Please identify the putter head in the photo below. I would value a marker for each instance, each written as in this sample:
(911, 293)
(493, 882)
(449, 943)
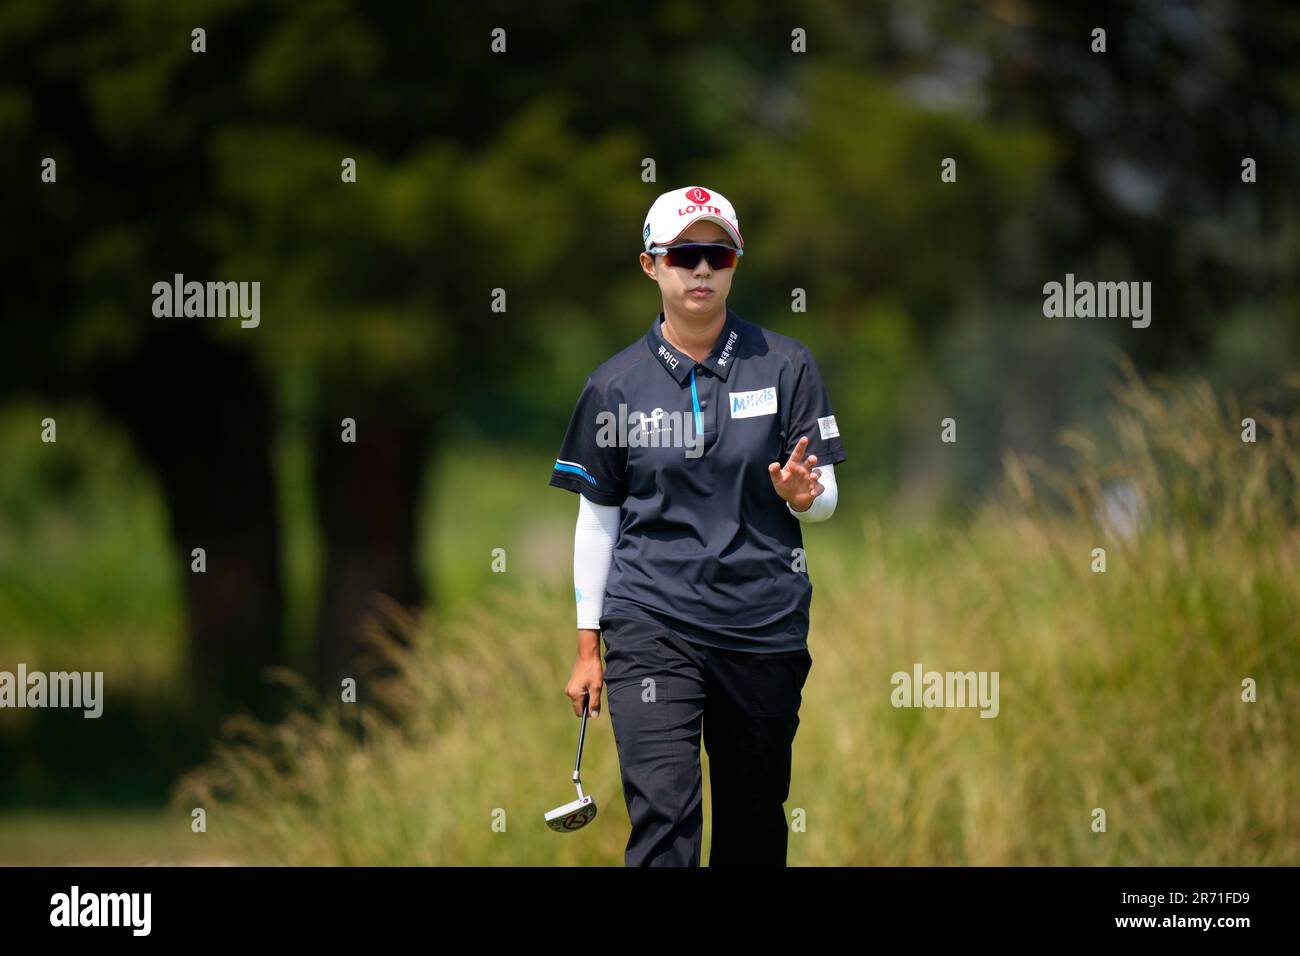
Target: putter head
(572, 816)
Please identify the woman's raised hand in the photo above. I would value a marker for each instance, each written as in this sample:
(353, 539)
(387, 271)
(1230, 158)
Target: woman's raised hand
(797, 482)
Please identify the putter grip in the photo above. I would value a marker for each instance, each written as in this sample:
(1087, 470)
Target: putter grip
(582, 733)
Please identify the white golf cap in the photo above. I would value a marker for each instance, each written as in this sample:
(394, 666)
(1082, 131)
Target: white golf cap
(674, 211)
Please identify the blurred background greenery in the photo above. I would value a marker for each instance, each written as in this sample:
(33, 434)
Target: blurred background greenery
(523, 171)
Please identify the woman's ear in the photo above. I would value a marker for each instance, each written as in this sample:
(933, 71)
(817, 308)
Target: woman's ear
(648, 267)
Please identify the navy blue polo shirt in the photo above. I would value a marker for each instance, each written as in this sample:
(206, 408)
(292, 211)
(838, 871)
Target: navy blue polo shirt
(706, 546)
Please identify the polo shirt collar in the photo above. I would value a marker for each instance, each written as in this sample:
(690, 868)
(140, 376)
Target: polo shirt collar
(679, 365)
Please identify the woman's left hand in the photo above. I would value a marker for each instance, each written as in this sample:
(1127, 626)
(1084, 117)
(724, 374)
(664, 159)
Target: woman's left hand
(797, 482)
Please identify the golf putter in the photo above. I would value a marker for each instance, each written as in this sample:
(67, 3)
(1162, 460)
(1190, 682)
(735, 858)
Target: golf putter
(577, 814)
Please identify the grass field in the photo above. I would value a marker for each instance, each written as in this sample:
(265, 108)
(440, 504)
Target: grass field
(1119, 691)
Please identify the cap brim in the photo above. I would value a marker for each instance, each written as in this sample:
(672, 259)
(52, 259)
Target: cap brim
(731, 230)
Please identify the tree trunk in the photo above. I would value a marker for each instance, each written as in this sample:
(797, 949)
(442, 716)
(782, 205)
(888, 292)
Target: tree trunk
(200, 415)
(366, 496)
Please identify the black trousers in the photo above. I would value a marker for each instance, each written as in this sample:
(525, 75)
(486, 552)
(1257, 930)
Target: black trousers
(661, 690)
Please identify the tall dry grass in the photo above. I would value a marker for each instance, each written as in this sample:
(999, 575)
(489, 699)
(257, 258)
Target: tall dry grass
(1119, 690)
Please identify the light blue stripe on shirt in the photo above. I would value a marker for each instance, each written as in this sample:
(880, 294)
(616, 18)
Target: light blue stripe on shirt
(575, 469)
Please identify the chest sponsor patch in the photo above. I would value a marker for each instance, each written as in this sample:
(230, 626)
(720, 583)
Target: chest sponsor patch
(828, 427)
(761, 401)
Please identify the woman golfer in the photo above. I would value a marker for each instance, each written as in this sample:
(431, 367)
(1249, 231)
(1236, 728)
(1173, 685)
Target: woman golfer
(697, 452)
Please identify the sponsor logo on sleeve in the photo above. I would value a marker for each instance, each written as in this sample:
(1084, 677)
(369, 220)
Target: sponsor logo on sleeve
(828, 427)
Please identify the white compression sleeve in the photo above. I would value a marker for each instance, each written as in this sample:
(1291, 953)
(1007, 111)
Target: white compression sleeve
(593, 552)
(824, 504)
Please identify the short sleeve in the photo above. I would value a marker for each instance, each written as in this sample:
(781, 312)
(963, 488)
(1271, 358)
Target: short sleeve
(811, 414)
(588, 463)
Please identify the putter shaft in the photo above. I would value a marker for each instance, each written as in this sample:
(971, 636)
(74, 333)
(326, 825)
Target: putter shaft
(582, 733)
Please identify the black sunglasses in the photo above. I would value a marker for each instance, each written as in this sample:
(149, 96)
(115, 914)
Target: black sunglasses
(687, 254)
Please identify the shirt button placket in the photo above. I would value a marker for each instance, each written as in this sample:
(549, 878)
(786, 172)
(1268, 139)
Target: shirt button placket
(708, 406)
